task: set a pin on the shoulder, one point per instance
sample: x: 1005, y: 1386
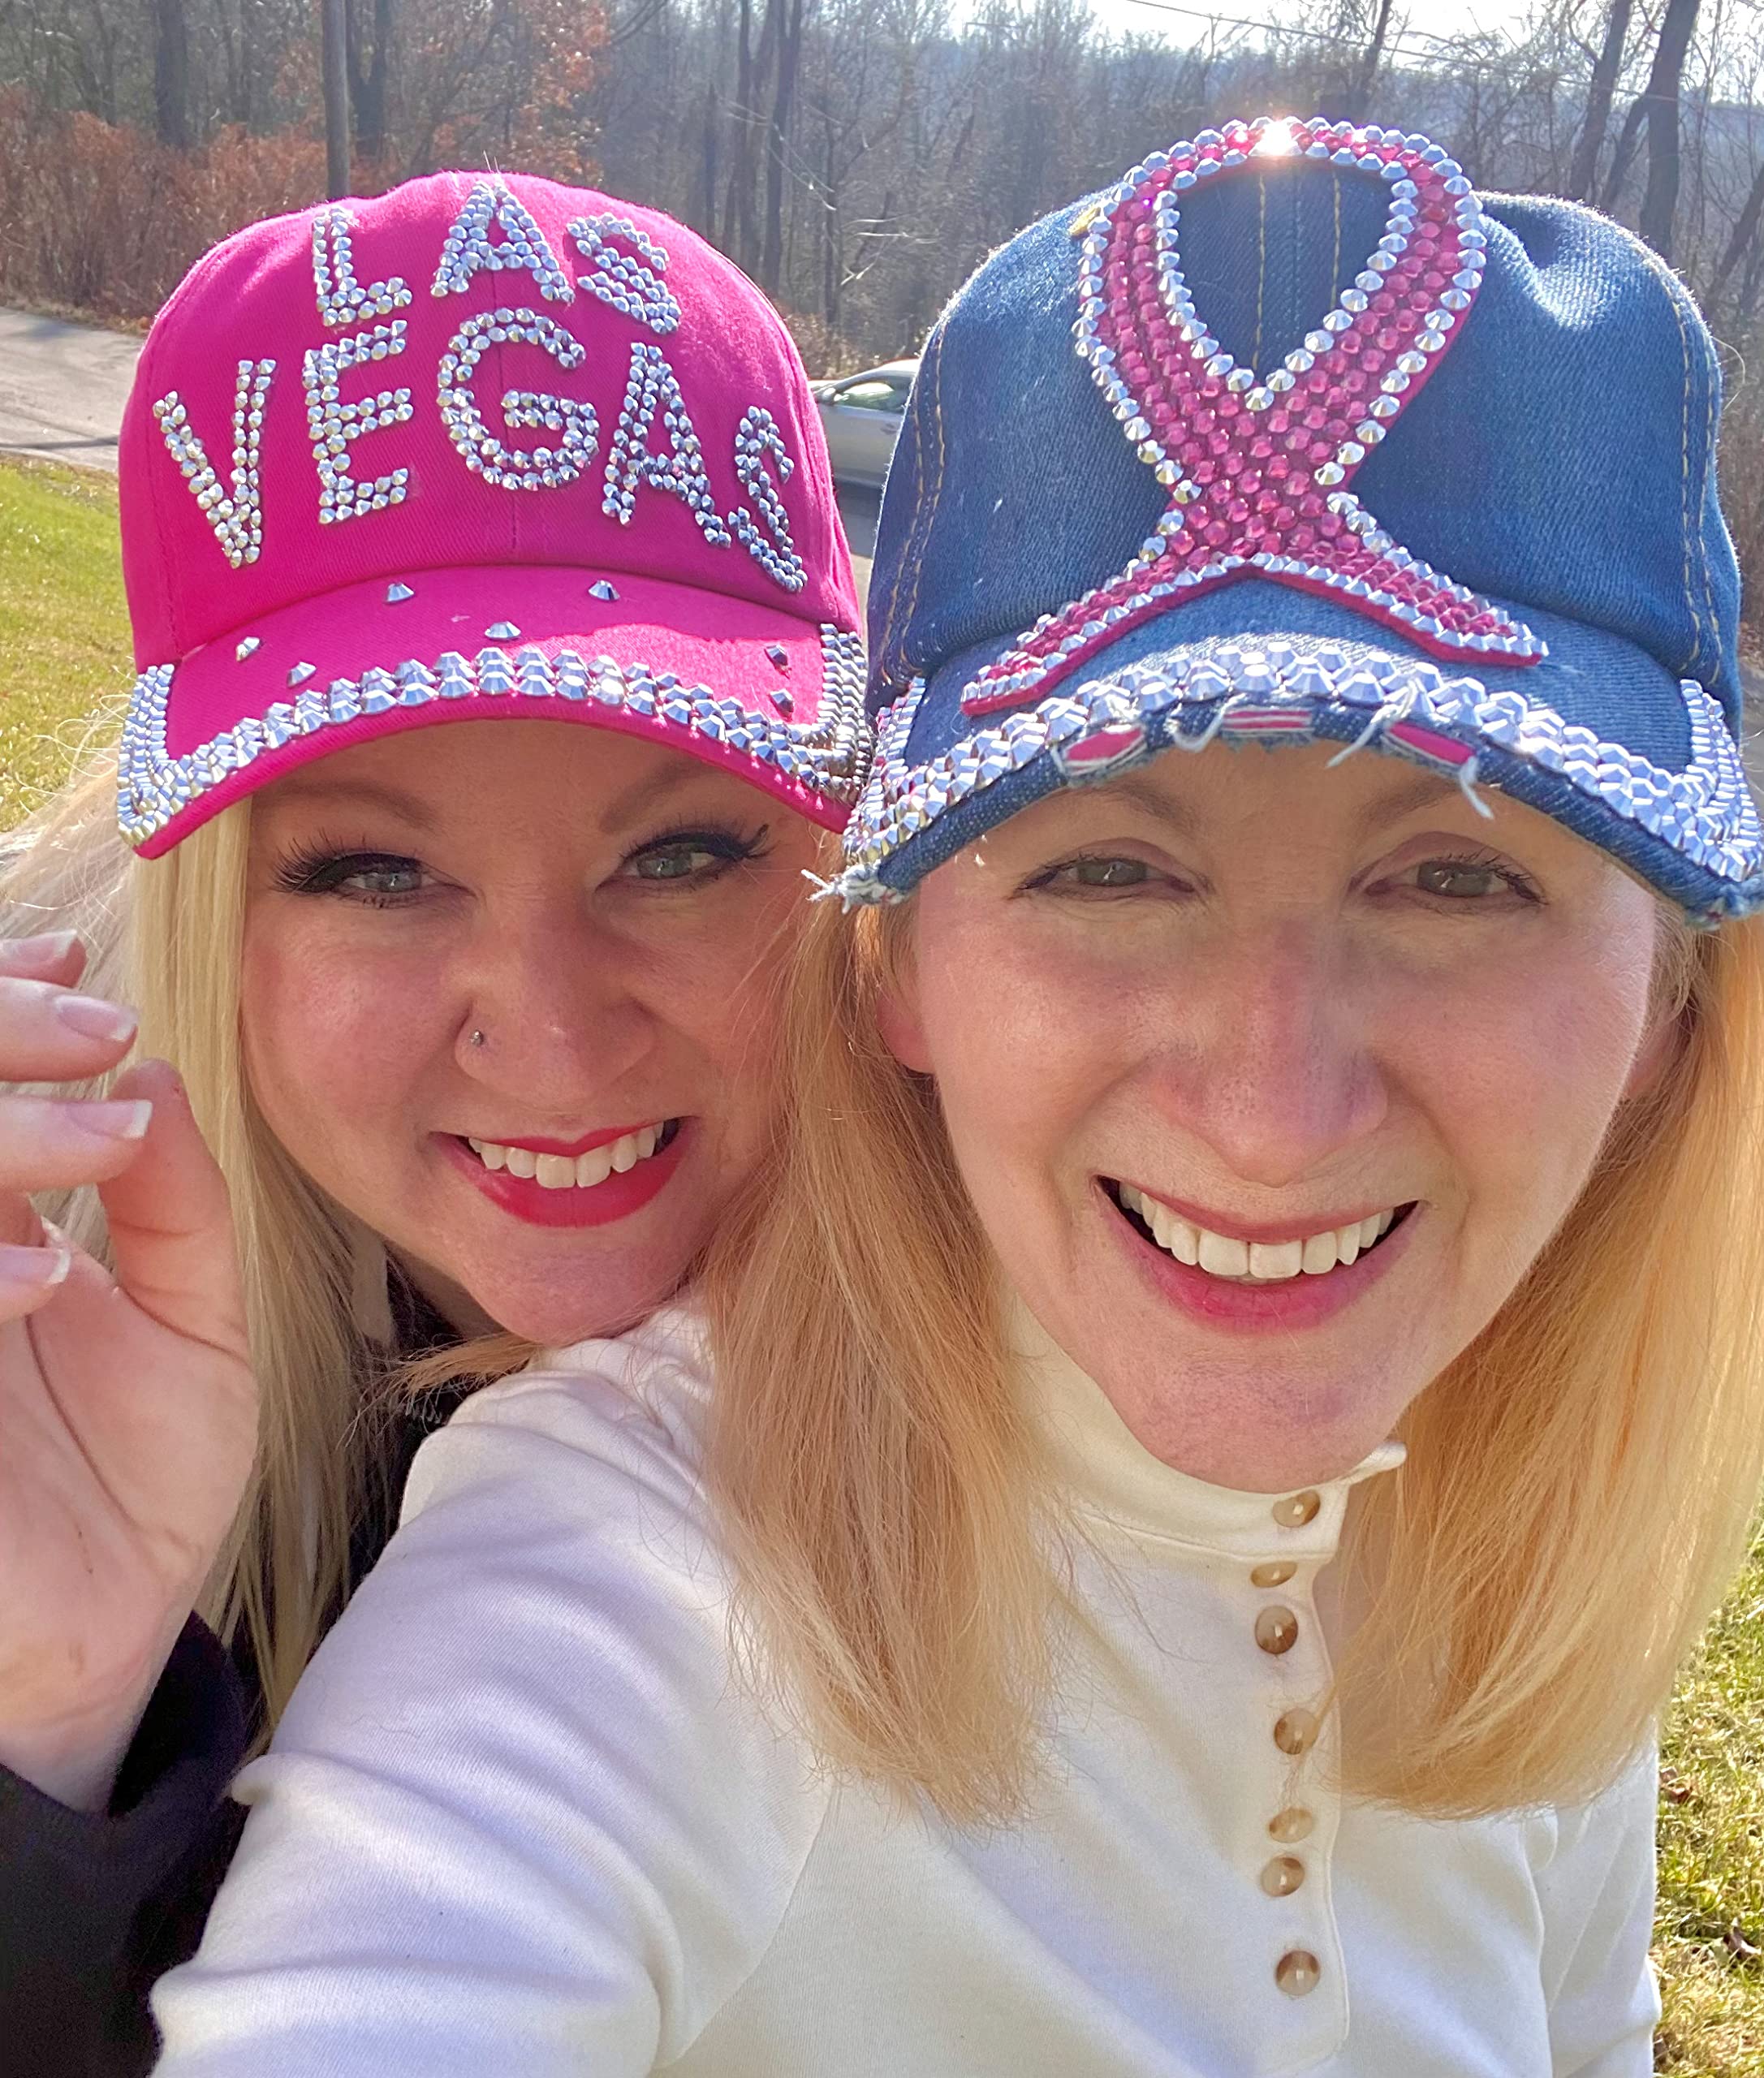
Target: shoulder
x: 623, y: 1413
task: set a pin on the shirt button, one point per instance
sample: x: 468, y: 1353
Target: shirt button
x: 1283, y: 1876
x: 1294, y: 1732
x: 1294, y: 1823
x: 1294, y: 1510
x: 1276, y: 1629
x: 1297, y: 1973
x: 1275, y: 1574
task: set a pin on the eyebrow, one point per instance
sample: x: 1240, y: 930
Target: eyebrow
x: 672, y: 776
x: 365, y: 793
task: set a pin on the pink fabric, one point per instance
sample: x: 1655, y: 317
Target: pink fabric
x: 475, y: 554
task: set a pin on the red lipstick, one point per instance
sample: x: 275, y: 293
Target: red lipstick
x: 597, y: 1204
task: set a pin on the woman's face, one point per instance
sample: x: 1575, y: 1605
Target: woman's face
x: 1268, y: 1081
x: 609, y: 913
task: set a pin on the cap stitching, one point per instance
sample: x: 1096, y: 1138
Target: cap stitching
x: 919, y: 535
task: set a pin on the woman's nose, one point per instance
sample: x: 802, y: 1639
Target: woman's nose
x: 1272, y: 1061
x: 554, y: 1013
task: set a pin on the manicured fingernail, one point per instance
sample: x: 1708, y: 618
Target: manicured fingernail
x: 34, y: 1268
x: 47, y: 949
x: 127, y: 1121
x: 93, y: 1019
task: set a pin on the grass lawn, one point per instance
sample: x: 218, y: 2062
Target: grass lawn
x: 64, y: 644
x: 64, y: 639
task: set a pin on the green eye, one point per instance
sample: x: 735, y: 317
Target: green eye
x: 675, y: 862
x: 386, y: 880
x: 1108, y: 873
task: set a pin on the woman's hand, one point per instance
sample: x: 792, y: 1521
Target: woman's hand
x: 127, y: 1406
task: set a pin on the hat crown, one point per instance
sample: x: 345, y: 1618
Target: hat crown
x: 470, y: 369
x: 1560, y: 456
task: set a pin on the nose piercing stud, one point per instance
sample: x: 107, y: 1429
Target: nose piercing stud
x: 477, y: 1038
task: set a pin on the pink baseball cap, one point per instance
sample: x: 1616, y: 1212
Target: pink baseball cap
x: 483, y: 446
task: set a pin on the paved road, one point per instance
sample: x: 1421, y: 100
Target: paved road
x: 62, y: 388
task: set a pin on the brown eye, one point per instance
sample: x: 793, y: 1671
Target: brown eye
x: 1459, y: 880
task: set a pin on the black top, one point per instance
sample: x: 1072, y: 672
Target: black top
x: 95, y: 1906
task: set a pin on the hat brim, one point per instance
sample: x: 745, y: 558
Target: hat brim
x: 756, y: 691
x: 1597, y: 734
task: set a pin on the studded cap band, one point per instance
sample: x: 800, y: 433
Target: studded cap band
x: 483, y: 446
x: 1580, y: 654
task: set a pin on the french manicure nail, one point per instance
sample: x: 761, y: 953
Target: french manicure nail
x: 34, y: 1267
x: 94, y: 1019
x: 47, y: 948
x: 125, y: 1121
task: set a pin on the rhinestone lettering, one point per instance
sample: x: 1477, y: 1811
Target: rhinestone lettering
x: 335, y: 425
x: 680, y: 471
x: 342, y: 300
x: 623, y: 283
x: 468, y: 250
x: 238, y: 519
x: 574, y: 421
x: 756, y: 438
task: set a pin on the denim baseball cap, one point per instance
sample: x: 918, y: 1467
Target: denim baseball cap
x: 1467, y: 515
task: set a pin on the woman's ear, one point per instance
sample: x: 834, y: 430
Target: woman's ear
x: 1661, y: 1046
x: 897, y: 1020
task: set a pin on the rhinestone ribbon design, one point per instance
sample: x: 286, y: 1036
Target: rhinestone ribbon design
x: 1257, y: 470
x: 828, y: 755
x: 1457, y: 726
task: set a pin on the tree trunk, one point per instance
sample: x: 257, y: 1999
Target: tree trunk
x: 1364, y: 76
x: 1584, y: 169
x: 1740, y: 240
x: 370, y: 62
x: 789, y: 52
x: 171, y: 75
x: 1659, y: 203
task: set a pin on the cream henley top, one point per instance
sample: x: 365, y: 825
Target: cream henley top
x: 522, y: 1820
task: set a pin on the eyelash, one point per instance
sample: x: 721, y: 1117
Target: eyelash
x: 1049, y: 879
x: 317, y: 870
x: 1485, y: 862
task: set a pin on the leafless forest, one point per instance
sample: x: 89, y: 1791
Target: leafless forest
x: 857, y: 156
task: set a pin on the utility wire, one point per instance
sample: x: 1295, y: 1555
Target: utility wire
x: 1410, y: 40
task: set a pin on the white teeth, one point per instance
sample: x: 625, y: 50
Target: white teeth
x: 564, y: 1172
x: 1319, y: 1254
x: 1222, y: 1256
x: 1276, y: 1258
x: 1255, y: 1261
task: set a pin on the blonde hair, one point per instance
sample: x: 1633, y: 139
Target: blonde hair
x: 166, y: 935
x: 1577, y: 1493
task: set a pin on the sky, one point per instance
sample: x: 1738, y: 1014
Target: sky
x: 1421, y: 17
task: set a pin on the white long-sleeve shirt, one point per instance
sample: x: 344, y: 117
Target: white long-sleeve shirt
x: 523, y: 1818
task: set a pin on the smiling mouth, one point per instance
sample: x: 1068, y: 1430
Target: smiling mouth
x: 577, y: 1172
x: 1234, y: 1261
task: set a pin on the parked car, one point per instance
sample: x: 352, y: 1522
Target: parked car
x: 862, y: 414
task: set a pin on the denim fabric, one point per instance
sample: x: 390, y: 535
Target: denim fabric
x: 1560, y: 459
